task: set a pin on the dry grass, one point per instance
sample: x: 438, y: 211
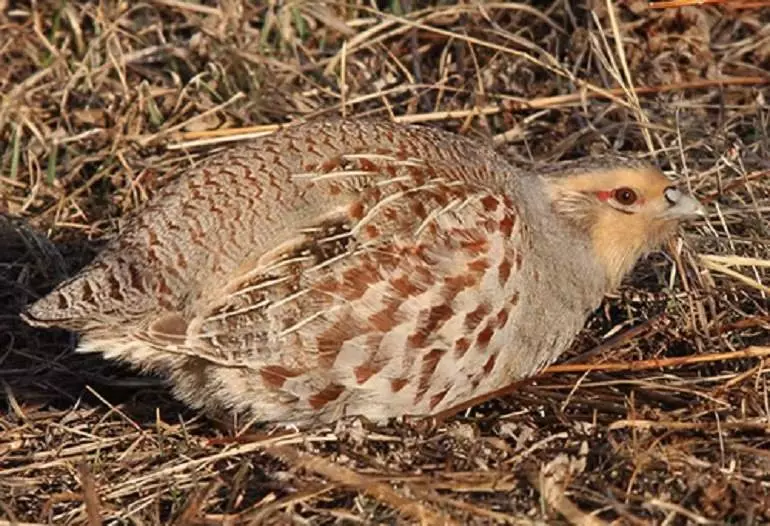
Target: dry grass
x: 100, y: 103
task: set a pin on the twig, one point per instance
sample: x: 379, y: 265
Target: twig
x: 659, y: 363
x: 90, y: 496
x: 732, y: 4
x: 347, y: 477
x: 551, y: 481
x: 507, y: 105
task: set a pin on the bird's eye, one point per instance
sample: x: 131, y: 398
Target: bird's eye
x: 625, y: 196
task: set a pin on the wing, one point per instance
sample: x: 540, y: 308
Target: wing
x: 221, y: 218
x: 386, y: 302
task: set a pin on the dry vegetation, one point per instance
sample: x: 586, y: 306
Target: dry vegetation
x: 103, y: 101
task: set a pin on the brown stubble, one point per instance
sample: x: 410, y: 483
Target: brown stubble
x: 91, y: 109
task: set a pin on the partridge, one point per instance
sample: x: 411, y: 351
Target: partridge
x: 362, y: 268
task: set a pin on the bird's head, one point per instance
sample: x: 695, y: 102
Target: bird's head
x: 626, y: 207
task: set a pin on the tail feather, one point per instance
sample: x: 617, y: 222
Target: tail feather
x: 88, y: 300
x: 59, y: 308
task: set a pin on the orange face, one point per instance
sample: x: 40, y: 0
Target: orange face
x: 627, y: 211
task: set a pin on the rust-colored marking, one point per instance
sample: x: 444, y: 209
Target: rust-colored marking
x: 490, y: 365
x: 506, y: 225
x: 484, y: 336
x: 162, y: 289
x: 371, y: 231
x: 328, y: 285
x: 490, y: 203
x: 328, y: 394
x: 475, y: 317
x: 518, y: 259
x: 356, y: 210
x: 356, y: 280
x: 475, y: 246
x: 437, y: 398
x: 366, y: 371
x: 374, y: 193
x: 461, y: 347
x: 603, y: 195
x: 504, y: 271
x: 417, y: 339
x: 367, y: 165
x: 418, y: 209
x: 514, y: 298
x: 397, y: 384
x: 425, y: 276
x: 330, y: 341
x: 152, y: 237
x: 478, y: 265
x: 453, y: 285
x: 423, y: 252
x: 385, y: 319
x: 330, y: 164
x: 502, y: 317
x: 328, y: 349
x: 384, y: 261
x: 418, y: 174
x: 437, y: 315
x: 459, y: 192
x: 404, y: 287
x: 429, y: 364
x: 275, y: 376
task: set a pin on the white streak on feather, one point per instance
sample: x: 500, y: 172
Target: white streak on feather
x: 288, y: 299
x: 376, y: 208
x: 434, y: 214
x: 320, y: 176
x: 259, y: 286
x: 400, y: 179
x: 243, y: 310
x: 328, y: 262
x: 272, y: 267
x: 303, y: 322
x: 409, y: 161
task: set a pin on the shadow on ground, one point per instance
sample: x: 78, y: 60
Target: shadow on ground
x: 40, y: 369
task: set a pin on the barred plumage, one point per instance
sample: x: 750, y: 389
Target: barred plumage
x: 350, y: 267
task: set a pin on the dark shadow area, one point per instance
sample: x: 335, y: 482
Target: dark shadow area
x: 39, y: 369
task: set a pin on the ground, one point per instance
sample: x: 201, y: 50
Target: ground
x: 659, y: 414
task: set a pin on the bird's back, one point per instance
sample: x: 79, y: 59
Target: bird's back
x: 243, y: 202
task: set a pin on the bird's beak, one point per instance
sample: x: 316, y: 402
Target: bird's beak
x: 682, y: 206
